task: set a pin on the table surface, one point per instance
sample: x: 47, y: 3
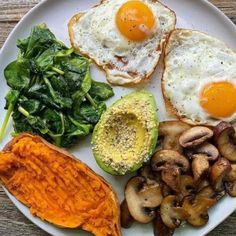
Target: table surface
x: 14, y: 223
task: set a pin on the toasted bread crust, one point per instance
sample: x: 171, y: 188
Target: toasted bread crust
x: 105, y: 67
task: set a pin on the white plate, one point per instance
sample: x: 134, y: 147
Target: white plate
x: 191, y: 14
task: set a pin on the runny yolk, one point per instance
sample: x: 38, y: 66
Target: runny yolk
x: 135, y: 20
x: 219, y: 99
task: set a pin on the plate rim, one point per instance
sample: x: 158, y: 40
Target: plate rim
x: 21, y: 21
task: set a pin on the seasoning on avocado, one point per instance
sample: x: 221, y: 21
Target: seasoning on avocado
x: 126, y: 134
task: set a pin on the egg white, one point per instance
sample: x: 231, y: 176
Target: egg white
x: 96, y: 35
x: 194, y: 60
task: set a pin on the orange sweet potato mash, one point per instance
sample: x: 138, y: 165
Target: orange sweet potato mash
x: 57, y: 188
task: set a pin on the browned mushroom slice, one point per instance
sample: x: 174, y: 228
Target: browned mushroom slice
x: 207, y: 149
x: 146, y: 171
x: 171, y: 131
x: 159, y: 228
x: 126, y: 219
x: 166, y: 190
x: 171, y: 164
x: 187, y: 186
x: 142, y: 197
x: 230, y: 179
x: 170, y: 174
x: 195, y: 136
x: 204, y: 183
x: 218, y: 172
x: 162, y: 157
x: 231, y: 176
x: 197, y: 208
x: 234, y: 125
x: 209, y: 192
x: 231, y: 188
x: 200, y: 167
x: 171, y: 213
x: 151, y: 194
x: 224, y: 138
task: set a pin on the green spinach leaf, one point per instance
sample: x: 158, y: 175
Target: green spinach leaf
x: 11, y: 98
x: 40, y: 39
x: 17, y: 74
x: 101, y: 91
x: 40, y: 92
x: 63, y: 102
x: 52, y: 93
x: 32, y: 106
x: 89, y: 114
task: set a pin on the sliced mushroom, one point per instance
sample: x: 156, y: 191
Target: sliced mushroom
x: 163, y: 157
x: 159, y: 228
x: 204, y: 183
x: 146, y: 171
x: 200, y: 167
x: 218, y: 172
x: 195, y: 136
x: 231, y: 188
x: 207, y: 149
x: 231, y: 176
x: 151, y: 194
x: 171, y: 131
x: 224, y: 138
x: 230, y: 179
x: 197, y: 208
x: 187, y: 186
x: 171, y: 164
x: 126, y: 219
x: 209, y: 192
x: 166, y: 190
x: 170, y: 174
x: 234, y: 125
x: 171, y: 213
x: 142, y: 198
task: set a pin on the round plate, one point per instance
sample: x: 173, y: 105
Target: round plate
x: 193, y: 14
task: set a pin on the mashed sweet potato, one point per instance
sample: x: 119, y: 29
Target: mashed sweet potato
x: 57, y: 188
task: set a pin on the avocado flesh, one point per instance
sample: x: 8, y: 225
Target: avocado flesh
x: 126, y: 135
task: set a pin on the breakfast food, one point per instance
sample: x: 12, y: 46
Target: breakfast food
x: 199, y: 81
x: 123, y: 37
x: 57, y: 187
x: 52, y: 93
x: 182, y: 184
x: 126, y: 135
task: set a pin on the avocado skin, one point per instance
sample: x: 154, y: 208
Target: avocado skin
x: 142, y: 94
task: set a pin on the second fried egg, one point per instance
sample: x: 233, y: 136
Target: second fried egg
x: 199, y: 80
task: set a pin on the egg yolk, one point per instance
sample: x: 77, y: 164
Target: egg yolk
x: 135, y: 20
x: 219, y: 99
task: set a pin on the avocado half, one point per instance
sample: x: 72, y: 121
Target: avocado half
x: 126, y: 135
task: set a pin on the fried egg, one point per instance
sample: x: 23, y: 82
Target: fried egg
x: 199, y: 80
x: 124, y: 37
